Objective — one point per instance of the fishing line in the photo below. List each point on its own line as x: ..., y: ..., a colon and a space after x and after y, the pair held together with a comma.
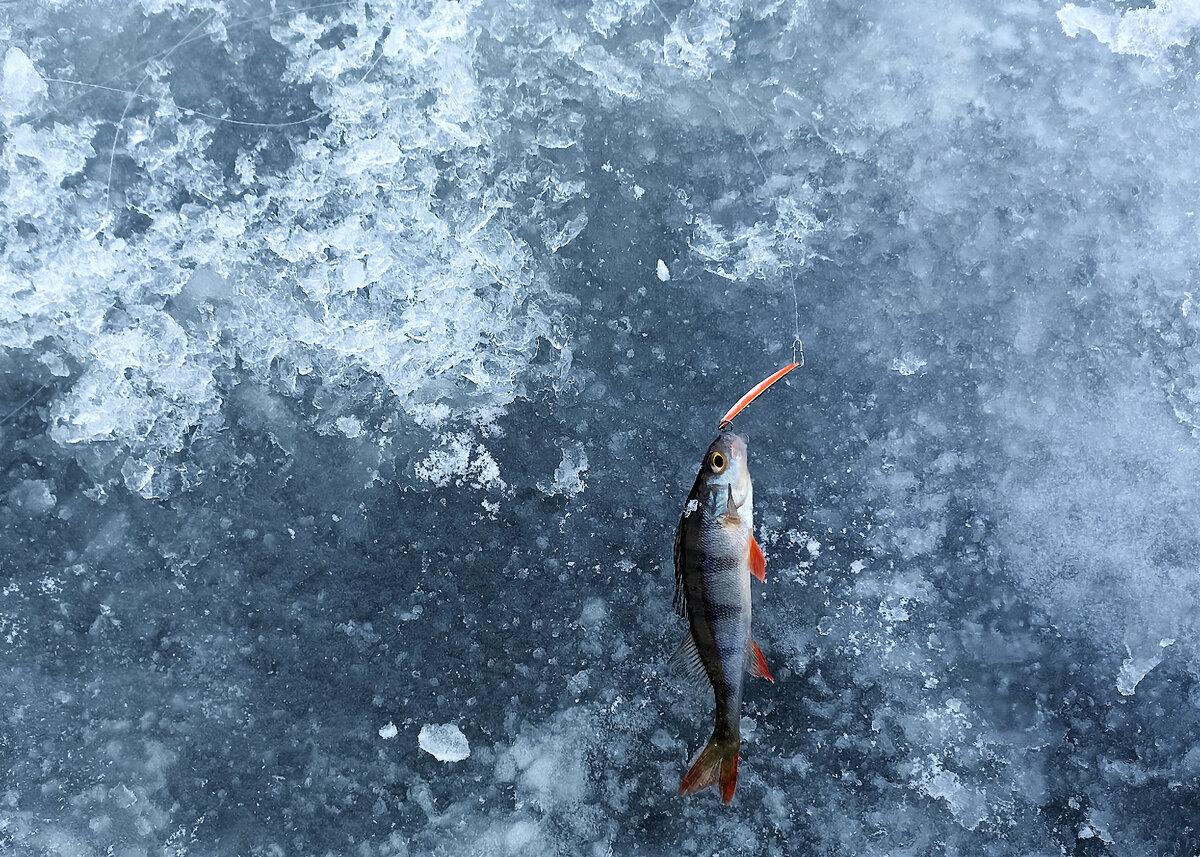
x: 112, y: 155
x: 136, y: 93
x: 797, y: 342
x: 162, y: 55
x: 21, y: 406
x: 190, y: 111
x: 187, y: 40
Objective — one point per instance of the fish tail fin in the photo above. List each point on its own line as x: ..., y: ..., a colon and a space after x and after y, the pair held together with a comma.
x: 717, y: 763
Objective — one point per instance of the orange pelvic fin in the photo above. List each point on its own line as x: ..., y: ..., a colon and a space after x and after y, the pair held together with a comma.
x: 717, y: 763
x: 758, y: 563
x: 756, y: 664
x: 755, y: 391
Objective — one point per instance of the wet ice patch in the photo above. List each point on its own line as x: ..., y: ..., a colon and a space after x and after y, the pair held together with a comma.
x: 32, y: 496
x: 446, y: 742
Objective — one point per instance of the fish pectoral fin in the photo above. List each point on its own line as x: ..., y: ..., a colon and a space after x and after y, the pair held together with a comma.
x: 758, y: 563
x: 731, y: 515
x: 687, y: 661
x: 756, y: 664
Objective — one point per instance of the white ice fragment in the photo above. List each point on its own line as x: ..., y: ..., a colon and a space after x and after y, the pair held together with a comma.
x: 55, y: 363
x: 1148, y: 31
x: 908, y: 364
x: 663, y: 273
x: 138, y: 477
x: 460, y: 461
x: 22, y: 87
x: 568, y: 476
x: 967, y: 804
x: 559, y: 238
x: 350, y: 426
x: 748, y: 726
x: 444, y: 742
x: 388, y: 731
x: 638, y: 193
x: 32, y: 497
x: 1133, y: 670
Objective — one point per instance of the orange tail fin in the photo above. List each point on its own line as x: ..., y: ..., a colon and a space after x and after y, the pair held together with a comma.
x: 717, y: 763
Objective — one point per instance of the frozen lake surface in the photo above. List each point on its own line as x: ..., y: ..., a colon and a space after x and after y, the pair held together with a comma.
x: 358, y: 358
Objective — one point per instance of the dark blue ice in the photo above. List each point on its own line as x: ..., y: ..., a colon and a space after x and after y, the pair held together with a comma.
x: 357, y: 359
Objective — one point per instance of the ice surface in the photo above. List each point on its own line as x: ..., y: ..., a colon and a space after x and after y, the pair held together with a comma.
x: 444, y: 742
x: 1149, y: 32
x: 356, y: 360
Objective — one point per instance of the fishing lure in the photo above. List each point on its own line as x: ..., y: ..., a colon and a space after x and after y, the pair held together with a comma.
x: 715, y: 554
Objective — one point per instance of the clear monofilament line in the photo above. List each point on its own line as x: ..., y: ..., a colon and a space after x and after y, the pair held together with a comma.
x: 797, y: 342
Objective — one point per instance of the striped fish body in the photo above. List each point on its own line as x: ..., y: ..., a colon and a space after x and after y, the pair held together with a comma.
x: 715, y: 554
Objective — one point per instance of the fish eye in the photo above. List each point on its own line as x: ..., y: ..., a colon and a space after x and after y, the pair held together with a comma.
x: 717, y: 462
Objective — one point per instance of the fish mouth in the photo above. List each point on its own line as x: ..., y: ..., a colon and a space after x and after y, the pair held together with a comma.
x: 735, y: 442
x: 735, y: 437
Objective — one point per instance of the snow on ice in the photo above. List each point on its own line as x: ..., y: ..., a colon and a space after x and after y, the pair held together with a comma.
x: 338, y: 401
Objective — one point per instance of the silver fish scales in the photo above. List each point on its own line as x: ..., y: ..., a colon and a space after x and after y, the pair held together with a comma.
x: 715, y: 554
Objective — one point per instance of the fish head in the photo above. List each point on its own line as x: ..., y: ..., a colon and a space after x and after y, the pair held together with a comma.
x: 724, y: 468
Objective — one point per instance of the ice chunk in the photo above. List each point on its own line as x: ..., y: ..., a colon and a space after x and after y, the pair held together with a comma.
x: 388, y: 731
x: 568, y: 476
x: 1135, y: 668
x: 460, y: 461
x: 444, y: 742
x: 908, y: 364
x: 351, y: 427
x: 22, y: 86
x: 556, y: 239
x: 663, y: 273
x: 1148, y: 32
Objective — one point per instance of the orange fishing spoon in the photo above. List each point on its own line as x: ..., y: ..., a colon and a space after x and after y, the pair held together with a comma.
x: 756, y: 391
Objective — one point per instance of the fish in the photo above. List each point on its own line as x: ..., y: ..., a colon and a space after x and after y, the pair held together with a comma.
x: 715, y: 553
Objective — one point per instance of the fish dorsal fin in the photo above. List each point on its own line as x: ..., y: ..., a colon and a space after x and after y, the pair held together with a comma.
x: 680, y: 600
x: 687, y: 660
x: 758, y: 563
x: 756, y: 664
